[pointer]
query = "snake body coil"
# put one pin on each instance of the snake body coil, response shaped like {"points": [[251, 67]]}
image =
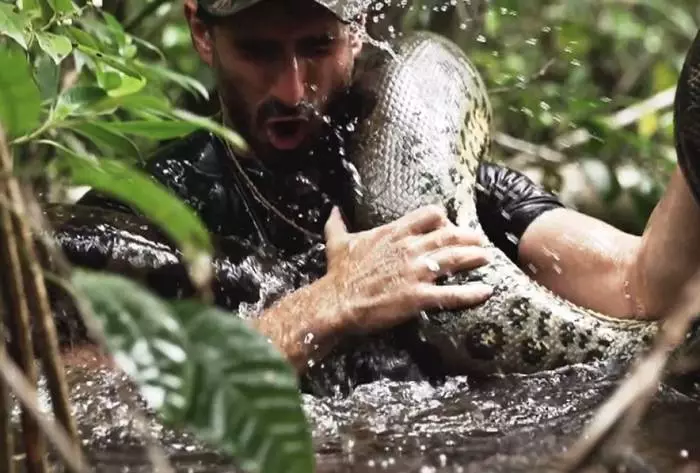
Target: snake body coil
{"points": [[421, 142], [426, 127]]}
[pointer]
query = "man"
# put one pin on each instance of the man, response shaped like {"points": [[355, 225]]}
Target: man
{"points": [[282, 67]]}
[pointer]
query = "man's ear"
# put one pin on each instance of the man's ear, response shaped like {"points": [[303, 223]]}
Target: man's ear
{"points": [[199, 32]]}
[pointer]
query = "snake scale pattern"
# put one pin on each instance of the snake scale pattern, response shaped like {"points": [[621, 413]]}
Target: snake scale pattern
{"points": [[426, 133]]}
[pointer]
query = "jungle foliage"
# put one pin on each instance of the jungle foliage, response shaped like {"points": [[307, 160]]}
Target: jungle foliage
{"points": [[582, 98]]}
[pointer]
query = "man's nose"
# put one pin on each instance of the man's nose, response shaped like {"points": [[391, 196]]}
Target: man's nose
{"points": [[290, 85]]}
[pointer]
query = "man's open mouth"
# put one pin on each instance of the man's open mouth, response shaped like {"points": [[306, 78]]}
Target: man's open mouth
{"points": [[286, 133]]}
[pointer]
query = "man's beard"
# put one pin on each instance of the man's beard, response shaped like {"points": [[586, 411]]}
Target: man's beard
{"points": [[313, 149]]}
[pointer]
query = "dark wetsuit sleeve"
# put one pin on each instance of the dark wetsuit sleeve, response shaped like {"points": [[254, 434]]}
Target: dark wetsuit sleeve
{"points": [[507, 202]]}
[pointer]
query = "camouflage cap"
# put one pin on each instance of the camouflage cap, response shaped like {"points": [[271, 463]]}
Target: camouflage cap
{"points": [[346, 10]]}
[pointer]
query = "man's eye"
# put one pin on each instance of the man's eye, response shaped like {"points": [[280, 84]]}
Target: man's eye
{"points": [[317, 46], [257, 50]]}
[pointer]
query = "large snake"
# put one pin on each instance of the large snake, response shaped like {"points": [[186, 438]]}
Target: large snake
{"points": [[425, 128]]}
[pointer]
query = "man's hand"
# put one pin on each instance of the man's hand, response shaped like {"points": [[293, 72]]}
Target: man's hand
{"points": [[375, 280], [385, 275]]}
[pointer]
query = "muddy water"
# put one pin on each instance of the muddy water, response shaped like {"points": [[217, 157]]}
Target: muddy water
{"points": [[497, 424]]}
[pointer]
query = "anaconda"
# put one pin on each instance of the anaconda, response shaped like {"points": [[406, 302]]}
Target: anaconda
{"points": [[426, 126]]}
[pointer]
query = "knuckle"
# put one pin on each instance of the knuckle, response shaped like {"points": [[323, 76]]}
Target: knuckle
{"points": [[436, 211]]}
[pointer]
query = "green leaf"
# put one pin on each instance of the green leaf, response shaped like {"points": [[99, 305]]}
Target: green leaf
{"points": [[46, 76], [136, 188], [114, 61], [62, 7], [20, 104], [115, 28], [154, 129], [13, 24], [237, 142], [116, 83], [136, 102], [78, 100], [107, 140], [56, 46], [158, 73], [205, 370], [83, 38], [29, 4]]}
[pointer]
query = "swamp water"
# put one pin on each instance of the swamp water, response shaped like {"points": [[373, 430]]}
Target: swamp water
{"points": [[513, 423]]}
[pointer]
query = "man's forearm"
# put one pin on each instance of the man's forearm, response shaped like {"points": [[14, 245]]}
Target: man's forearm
{"points": [[305, 324], [595, 265], [668, 257]]}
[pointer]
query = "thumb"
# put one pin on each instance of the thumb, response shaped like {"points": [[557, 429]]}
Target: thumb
{"points": [[335, 226]]}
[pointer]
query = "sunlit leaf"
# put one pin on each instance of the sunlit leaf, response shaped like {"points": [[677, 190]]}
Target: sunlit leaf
{"points": [[132, 186], [13, 24], [154, 129], [205, 370], [56, 46], [648, 125], [106, 139], [20, 106]]}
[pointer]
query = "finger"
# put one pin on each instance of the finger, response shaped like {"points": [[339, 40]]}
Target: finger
{"points": [[453, 297], [335, 228], [450, 235], [450, 260], [423, 220]]}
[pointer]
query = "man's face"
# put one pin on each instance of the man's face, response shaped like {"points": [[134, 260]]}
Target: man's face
{"points": [[278, 64]]}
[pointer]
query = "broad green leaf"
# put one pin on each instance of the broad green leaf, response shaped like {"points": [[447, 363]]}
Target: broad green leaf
{"points": [[56, 46], [205, 370], [78, 100], [63, 7], [152, 199], [107, 140], [154, 129], [13, 24], [20, 103], [46, 76]]}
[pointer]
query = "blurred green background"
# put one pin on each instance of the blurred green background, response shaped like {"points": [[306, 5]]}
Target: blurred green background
{"points": [[582, 90]]}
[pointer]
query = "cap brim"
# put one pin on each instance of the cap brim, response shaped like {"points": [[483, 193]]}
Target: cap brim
{"points": [[345, 10]]}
